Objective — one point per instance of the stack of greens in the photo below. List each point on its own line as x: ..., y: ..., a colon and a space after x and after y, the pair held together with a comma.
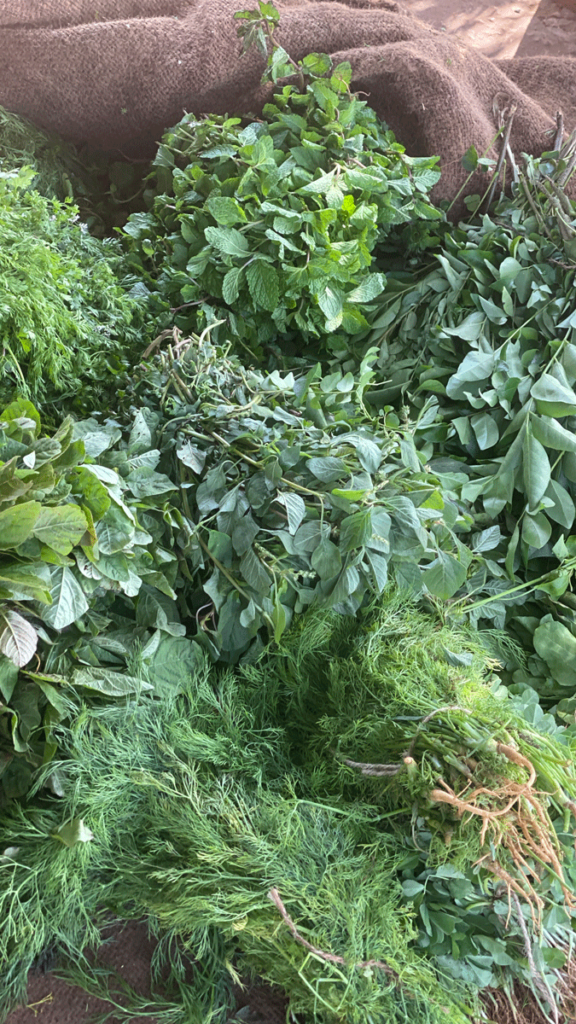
x: 287, y: 621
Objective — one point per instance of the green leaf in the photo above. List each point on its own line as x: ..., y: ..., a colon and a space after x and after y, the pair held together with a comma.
x: 107, y: 682
x: 485, y: 429
x: 231, y: 285
x: 17, y: 524
x: 173, y: 664
x: 487, y: 539
x: 21, y: 408
x: 327, y: 468
x: 326, y: 559
x: 563, y: 510
x: 535, y: 469
x: 9, y: 674
x: 263, y: 284
x: 60, y: 527
x: 379, y: 566
x: 295, y: 509
x: 444, y: 576
x: 317, y: 64
x: 228, y: 240
x: 68, y: 599
x: 536, y: 530
x: 94, y: 493
x: 470, y: 159
x: 552, y: 434
x: 552, y: 398
x: 509, y: 270
x: 356, y: 530
x: 22, y: 582
x: 554, y: 643
x: 225, y: 210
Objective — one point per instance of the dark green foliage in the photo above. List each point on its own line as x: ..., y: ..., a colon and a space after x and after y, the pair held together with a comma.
x: 66, y: 325
x: 271, y: 225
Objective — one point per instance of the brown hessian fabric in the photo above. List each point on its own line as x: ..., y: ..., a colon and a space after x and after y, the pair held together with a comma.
x: 117, y: 73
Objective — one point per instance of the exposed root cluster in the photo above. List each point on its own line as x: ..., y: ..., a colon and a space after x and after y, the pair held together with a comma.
x: 515, y: 817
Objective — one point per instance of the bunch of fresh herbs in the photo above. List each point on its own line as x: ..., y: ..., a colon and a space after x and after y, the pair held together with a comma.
x: 67, y: 327
x: 271, y: 225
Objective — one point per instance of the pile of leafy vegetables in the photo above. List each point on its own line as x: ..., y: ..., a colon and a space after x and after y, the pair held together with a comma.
x: 76, y: 539
x: 219, y: 514
x: 489, y: 332
x: 66, y: 324
x: 356, y: 809
x: 272, y: 225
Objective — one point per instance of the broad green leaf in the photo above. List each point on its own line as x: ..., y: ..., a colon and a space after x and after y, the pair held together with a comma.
x: 142, y: 432
x: 563, y: 510
x: 254, y: 572
x: 115, y: 531
x: 552, y: 434
x: 263, y: 284
x: 445, y: 576
x: 371, y: 286
x: 145, y: 482
x: 552, y: 398
x: 108, y: 682
x: 173, y: 664
x: 226, y: 210
x: 379, y: 566
x: 318, y: 64
x: 485, y: 429
x: 508, y: 270
x: 495, y: 314
x: 295, y: 509
x: 22, y: 582
x: 68, y: 599
x: 21, y: 409
x: 60, y: 527
x: 94, y: 493
x: 487, y: 539
x: 228, y: 240
x: 356, y: 530
x: 554, y: 643
x: 536, y: 530
x: 326, y: 559
x: 9, y: 673
x: 470, y: 159
x: 327, y: 468
x: 17, y: 524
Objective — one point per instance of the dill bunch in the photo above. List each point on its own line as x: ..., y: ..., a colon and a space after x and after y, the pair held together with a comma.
x: 191, y: 817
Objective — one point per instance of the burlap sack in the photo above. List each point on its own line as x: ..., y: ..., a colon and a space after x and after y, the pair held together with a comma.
x: 116, y: 73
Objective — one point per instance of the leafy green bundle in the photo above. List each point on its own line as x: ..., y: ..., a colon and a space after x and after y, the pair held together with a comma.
x: 271, y: 225
x: 71, y: 546
x: 294, y: 492
x: 66, y: 325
